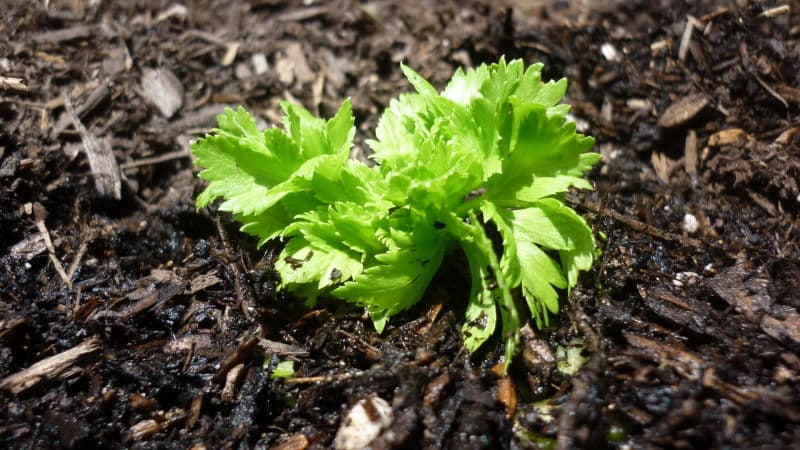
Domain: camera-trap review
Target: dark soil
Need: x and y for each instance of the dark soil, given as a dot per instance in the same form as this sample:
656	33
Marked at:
169	316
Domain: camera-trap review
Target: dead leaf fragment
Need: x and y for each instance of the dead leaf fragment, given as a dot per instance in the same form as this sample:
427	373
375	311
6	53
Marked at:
682	110
506	390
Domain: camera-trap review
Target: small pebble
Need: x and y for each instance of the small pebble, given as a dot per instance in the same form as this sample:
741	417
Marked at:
609	52
690	223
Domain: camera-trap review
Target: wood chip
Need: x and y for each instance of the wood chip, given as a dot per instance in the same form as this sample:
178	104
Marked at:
790	94
238	356
13	84
435	389
690	153
39	215
204	281
231	380
682	110
776	11
9	325
744	287
29	247
195	411
144	429
293	442
175	10
279	348
662	166
63	35
98	95
363	423
294	52
786	329
763	202
231	50
162	88
102	163
301	14
788	136
726	137
200	343
54	367
686	39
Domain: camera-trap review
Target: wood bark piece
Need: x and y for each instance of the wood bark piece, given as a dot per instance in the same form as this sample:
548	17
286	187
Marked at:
690	153
293	442
786	329
101	160
163	89
682	110
64	34
726	137
54	367
40	215
280	348
98	96
14	84
238	355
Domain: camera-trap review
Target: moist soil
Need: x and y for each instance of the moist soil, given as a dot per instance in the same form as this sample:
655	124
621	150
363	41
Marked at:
130	319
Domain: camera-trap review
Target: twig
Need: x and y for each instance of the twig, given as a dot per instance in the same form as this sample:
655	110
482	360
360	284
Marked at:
177	154
633	223
776	11
771	91
39	215
60	365
686	37
370	351
327	378
76	260
239	355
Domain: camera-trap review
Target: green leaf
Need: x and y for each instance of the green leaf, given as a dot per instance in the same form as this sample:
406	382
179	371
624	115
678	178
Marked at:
422	86
396	280
539	147
341	129
552	225
488	283
283	370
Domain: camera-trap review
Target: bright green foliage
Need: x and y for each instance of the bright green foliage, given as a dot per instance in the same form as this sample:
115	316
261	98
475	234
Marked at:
494	147
284	369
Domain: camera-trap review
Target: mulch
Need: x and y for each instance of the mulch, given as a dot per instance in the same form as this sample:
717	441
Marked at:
129	319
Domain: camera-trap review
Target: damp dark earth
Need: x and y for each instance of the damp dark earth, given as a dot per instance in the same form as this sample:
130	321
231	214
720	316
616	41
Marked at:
130	319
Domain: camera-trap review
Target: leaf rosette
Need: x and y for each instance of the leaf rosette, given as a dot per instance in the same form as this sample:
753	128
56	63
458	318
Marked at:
494	147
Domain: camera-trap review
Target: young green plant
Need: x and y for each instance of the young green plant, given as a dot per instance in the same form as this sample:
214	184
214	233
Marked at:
494	147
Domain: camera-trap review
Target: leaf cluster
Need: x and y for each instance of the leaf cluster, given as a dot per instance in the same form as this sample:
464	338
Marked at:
494	147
